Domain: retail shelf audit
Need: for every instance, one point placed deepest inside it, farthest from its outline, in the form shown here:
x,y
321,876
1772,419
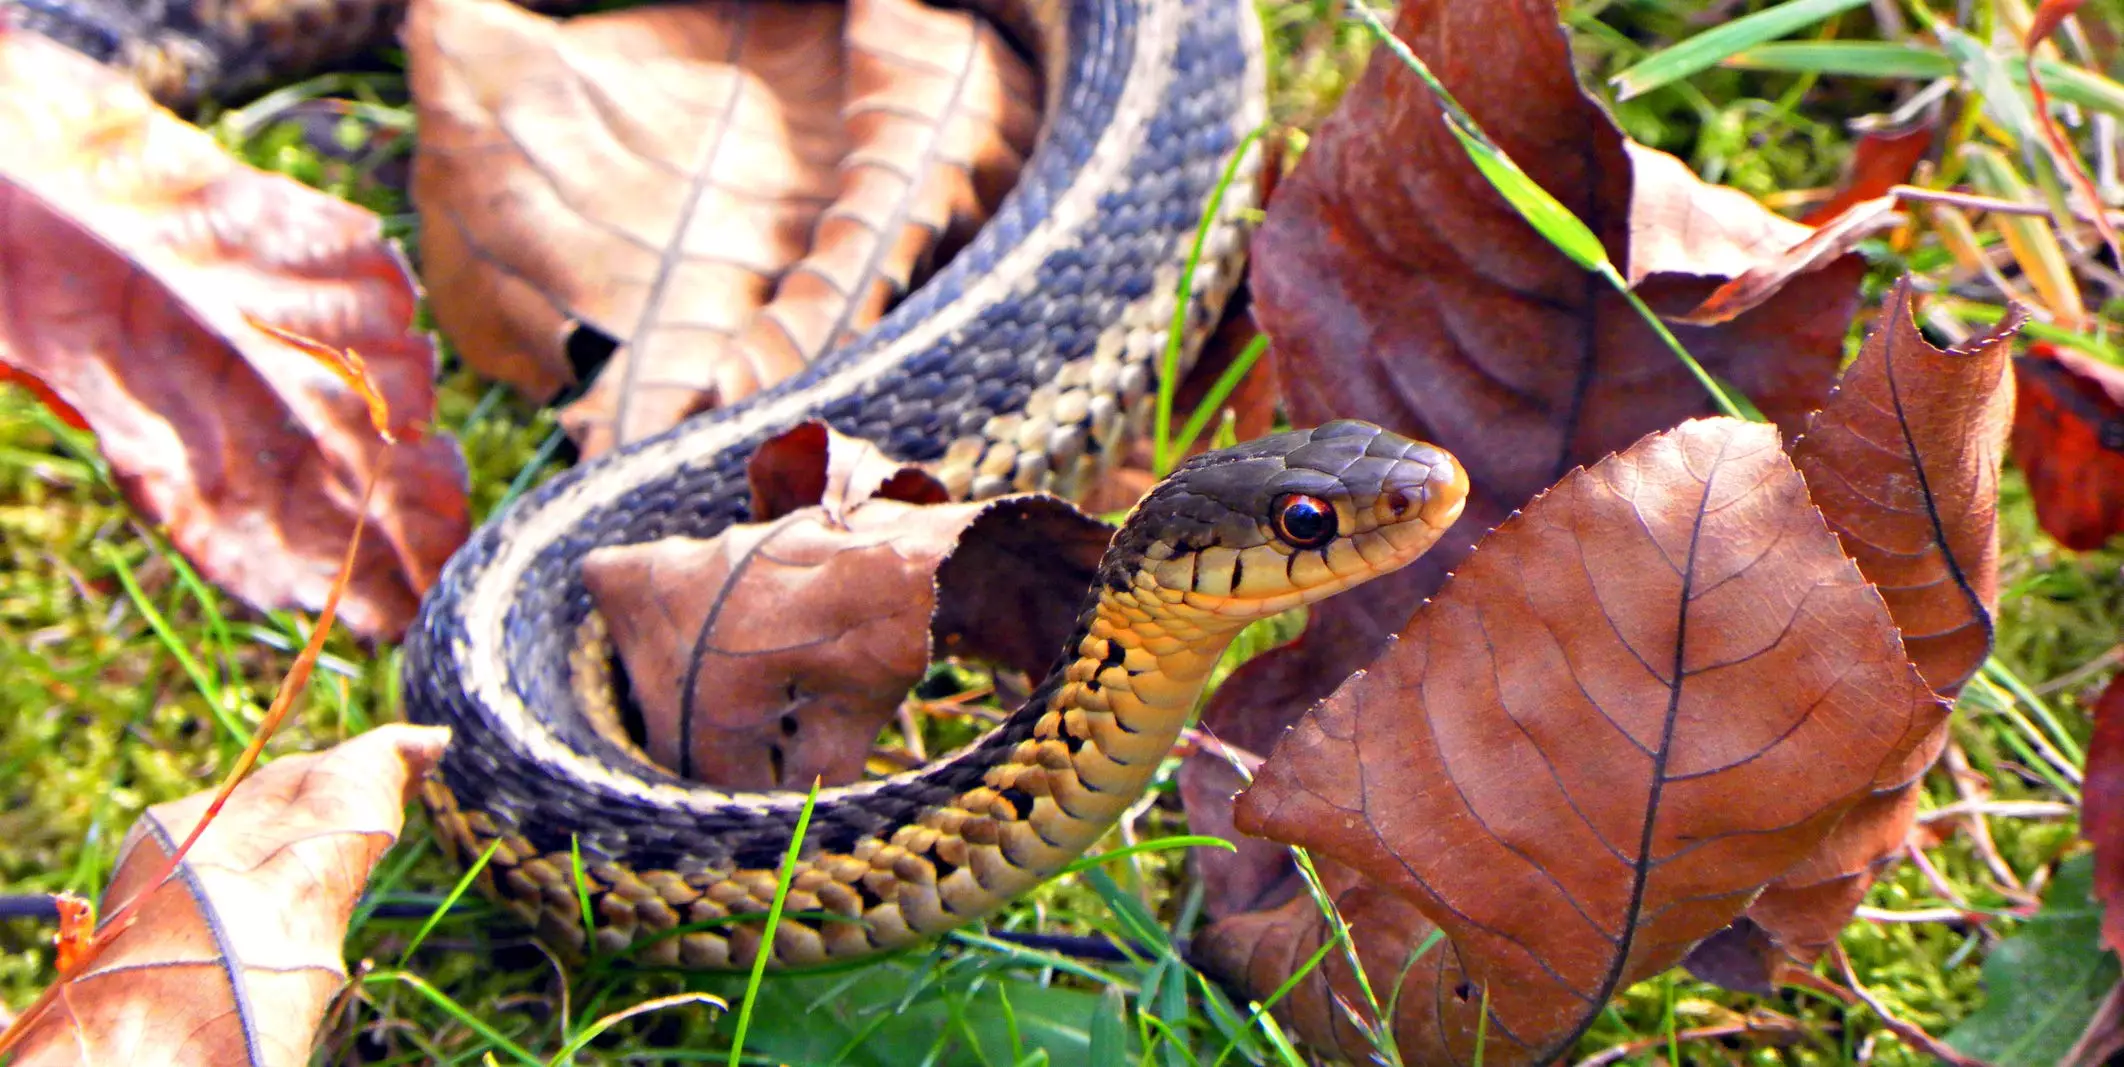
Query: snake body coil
x,y
1024,364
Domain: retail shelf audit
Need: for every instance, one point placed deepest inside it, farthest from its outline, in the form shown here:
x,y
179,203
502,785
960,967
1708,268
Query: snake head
x,y
1262,527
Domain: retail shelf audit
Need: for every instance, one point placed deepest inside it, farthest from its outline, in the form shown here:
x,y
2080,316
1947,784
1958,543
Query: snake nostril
x,y
1398,502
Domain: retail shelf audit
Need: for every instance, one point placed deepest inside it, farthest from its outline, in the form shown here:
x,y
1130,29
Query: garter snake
x,y
1023,364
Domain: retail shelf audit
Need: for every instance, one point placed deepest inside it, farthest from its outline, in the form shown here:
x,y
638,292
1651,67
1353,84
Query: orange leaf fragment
x,y
344,362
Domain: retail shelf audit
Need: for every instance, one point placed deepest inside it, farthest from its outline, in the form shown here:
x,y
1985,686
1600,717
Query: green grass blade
x,y
1848,59
774,919
1176,330
1707,49
449,901
455,1011
582,892
1109,1029
1156,844
566,1056
1219,391
208,688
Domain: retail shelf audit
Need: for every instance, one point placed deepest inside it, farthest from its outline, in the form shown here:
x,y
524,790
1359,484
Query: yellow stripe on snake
x,y
1026,363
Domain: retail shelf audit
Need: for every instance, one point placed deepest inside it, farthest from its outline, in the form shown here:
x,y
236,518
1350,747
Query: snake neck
x,y
1091,738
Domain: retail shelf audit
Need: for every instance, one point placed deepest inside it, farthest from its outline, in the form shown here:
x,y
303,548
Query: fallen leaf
x,y
645,174
137,255
940,116
815,169
1904,463
234,960
938,120
1701,685
833,608
2068,439
1835,238
2042,985
2102,809
1402,289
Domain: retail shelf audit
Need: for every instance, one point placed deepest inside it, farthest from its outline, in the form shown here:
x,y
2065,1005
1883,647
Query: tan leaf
x,y
1645,697
1904,463
235,958
809,184
940,116
137,255
775,651
646,173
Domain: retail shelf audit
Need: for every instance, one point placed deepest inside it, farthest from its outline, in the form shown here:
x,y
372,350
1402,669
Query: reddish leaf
x,y
1700,686
1904,463
2102,809
1881,160
137,254
2068,438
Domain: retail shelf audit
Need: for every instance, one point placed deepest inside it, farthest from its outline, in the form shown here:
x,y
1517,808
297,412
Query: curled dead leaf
x,y
234,960
774,652
1904,463
137,255
1700,686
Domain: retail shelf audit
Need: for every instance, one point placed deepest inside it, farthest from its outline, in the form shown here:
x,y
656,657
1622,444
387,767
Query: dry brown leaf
x,y
645,173
940,116
136,255
775,651
1402,289
1835,239
1699,686
1904,463
234,960
722,190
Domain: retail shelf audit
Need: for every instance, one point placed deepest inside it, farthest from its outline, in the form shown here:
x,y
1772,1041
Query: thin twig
x,y
1918,915
1939,881
1913,1036
1959,771
2002,809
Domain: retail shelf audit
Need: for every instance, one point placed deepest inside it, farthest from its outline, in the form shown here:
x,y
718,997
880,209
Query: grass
x,y
124,682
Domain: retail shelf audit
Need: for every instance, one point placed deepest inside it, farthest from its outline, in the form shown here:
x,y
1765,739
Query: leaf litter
x,y
723,191
143,262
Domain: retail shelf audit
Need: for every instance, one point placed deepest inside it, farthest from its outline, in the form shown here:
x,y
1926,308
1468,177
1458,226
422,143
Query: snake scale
x,y
1024,364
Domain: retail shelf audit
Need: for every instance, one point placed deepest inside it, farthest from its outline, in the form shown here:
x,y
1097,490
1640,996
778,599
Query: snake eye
x,y
1304,521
